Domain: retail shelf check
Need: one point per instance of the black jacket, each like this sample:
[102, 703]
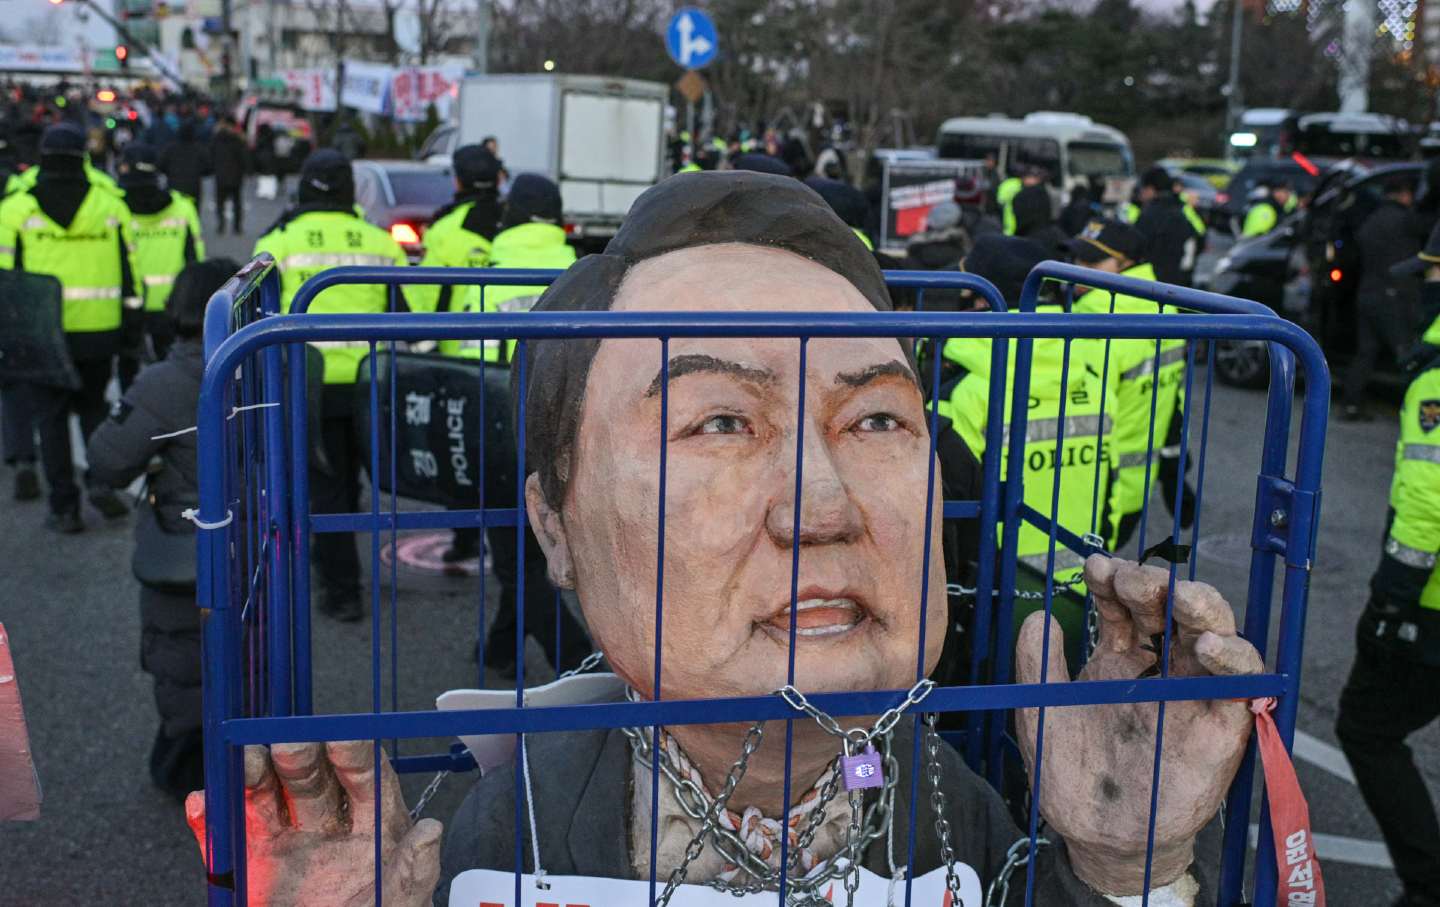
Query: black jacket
[161, 401]
[1386, 237]
[228, 157]
[1171, 243]
[581, 784]
[185, 164]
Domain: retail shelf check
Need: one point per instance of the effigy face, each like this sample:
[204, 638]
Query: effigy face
[731, 443]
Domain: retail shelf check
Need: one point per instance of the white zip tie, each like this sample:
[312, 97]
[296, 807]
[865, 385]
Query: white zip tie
[193, 515]
[233, 413]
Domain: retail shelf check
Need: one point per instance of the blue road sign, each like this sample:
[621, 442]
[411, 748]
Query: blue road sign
[691, 38]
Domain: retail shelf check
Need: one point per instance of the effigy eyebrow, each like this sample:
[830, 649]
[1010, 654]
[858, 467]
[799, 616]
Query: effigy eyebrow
[693, 363]
[894, 368]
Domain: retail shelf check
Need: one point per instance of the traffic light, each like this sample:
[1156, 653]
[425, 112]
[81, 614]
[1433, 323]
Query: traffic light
[122, 53]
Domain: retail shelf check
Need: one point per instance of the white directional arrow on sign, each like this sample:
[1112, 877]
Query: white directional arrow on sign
[691, 46]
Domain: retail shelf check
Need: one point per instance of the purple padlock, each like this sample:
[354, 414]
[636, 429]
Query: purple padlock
[863, 769]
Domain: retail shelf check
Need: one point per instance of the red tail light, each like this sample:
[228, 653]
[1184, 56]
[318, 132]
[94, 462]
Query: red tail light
[1336, 275]
[1222, 198]
[405, 234]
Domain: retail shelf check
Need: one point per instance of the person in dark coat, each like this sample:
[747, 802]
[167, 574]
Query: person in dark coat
[1170, 241]
[230, 160]
[185, 163]
[1385, 307]
[1035, 220]
[149, 424]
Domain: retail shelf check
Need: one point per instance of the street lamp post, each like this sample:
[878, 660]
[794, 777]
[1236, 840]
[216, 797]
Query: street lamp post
[1232, 88]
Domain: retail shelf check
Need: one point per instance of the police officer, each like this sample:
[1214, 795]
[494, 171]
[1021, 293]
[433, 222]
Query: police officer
[147, 426]
[1385, 316]
[73, 230]
[1172, 241]
[531, 236]
[1005, 193]
[1276, 200]
[166, 230]
[1391, 690]
[1081, 457]
[323, 231]
[460, 233]
[1135, 369]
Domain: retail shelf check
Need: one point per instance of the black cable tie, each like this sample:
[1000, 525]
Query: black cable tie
[1167, 551]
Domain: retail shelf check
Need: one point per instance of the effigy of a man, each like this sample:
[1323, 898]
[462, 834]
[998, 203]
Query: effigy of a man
[733, 242]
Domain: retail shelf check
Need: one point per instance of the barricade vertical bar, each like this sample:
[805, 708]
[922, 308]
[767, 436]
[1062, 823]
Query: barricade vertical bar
[1273, 456]
[1014, 498]
[934, 426]
[394, 533]
[278, 527]
[220, 646]
[484, 541]
[1200, 464]
[520, 355]
[659, 610]
[375, 700]
[300, 525]
[1049, 601]
[795, 530]
[977, 722]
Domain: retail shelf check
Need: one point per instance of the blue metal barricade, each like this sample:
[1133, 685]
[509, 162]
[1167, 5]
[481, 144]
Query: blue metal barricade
[256, 523]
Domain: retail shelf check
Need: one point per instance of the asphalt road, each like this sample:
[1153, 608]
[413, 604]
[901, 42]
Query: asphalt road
[69, 607]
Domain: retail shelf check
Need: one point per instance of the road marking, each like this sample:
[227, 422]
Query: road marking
[1340, 849]
[1322, 755]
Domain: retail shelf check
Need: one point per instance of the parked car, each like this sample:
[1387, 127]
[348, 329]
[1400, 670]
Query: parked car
[1304, 269]
[1216, 171]
[401, 197]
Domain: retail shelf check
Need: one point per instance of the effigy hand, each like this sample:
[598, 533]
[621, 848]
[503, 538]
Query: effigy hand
[1098, 760]
[310, 828]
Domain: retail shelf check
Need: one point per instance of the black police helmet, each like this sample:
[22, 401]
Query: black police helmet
[844, 199]
[194, 286]
[1005, 261]
[326, 177]
[63, 139]
[1158, 178]
[1103, 239]
[140, 163]
[533, 198]
[475, 167]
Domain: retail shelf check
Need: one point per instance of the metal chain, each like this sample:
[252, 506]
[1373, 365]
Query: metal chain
[1017, 856]
[939, 804]
[712, 815]
[886, 723]
[589, 663]
[1023, 594]
[426, 795]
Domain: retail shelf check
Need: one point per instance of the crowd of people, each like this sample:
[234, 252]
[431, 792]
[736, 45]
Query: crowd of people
[131, 279]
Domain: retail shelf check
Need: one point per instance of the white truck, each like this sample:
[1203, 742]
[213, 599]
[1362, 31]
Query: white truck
[602, 140]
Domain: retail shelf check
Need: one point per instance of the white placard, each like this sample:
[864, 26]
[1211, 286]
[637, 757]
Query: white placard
[489, 888]
[367, 86]
[494, 750]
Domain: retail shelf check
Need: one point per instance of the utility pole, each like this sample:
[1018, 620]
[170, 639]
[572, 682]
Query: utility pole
[1232, 88]
[1358, 41]
[481, 55]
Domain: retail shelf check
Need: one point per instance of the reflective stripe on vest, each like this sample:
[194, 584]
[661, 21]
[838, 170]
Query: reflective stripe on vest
[1075, 427]
[1427, 452]
[333, 260]
[7, 250]
[72, 294]
[1410, 557]
[1167, 357]
[159, 280]
[1137, 458]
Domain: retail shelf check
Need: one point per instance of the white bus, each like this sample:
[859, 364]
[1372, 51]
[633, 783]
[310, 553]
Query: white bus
[1074, 149]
